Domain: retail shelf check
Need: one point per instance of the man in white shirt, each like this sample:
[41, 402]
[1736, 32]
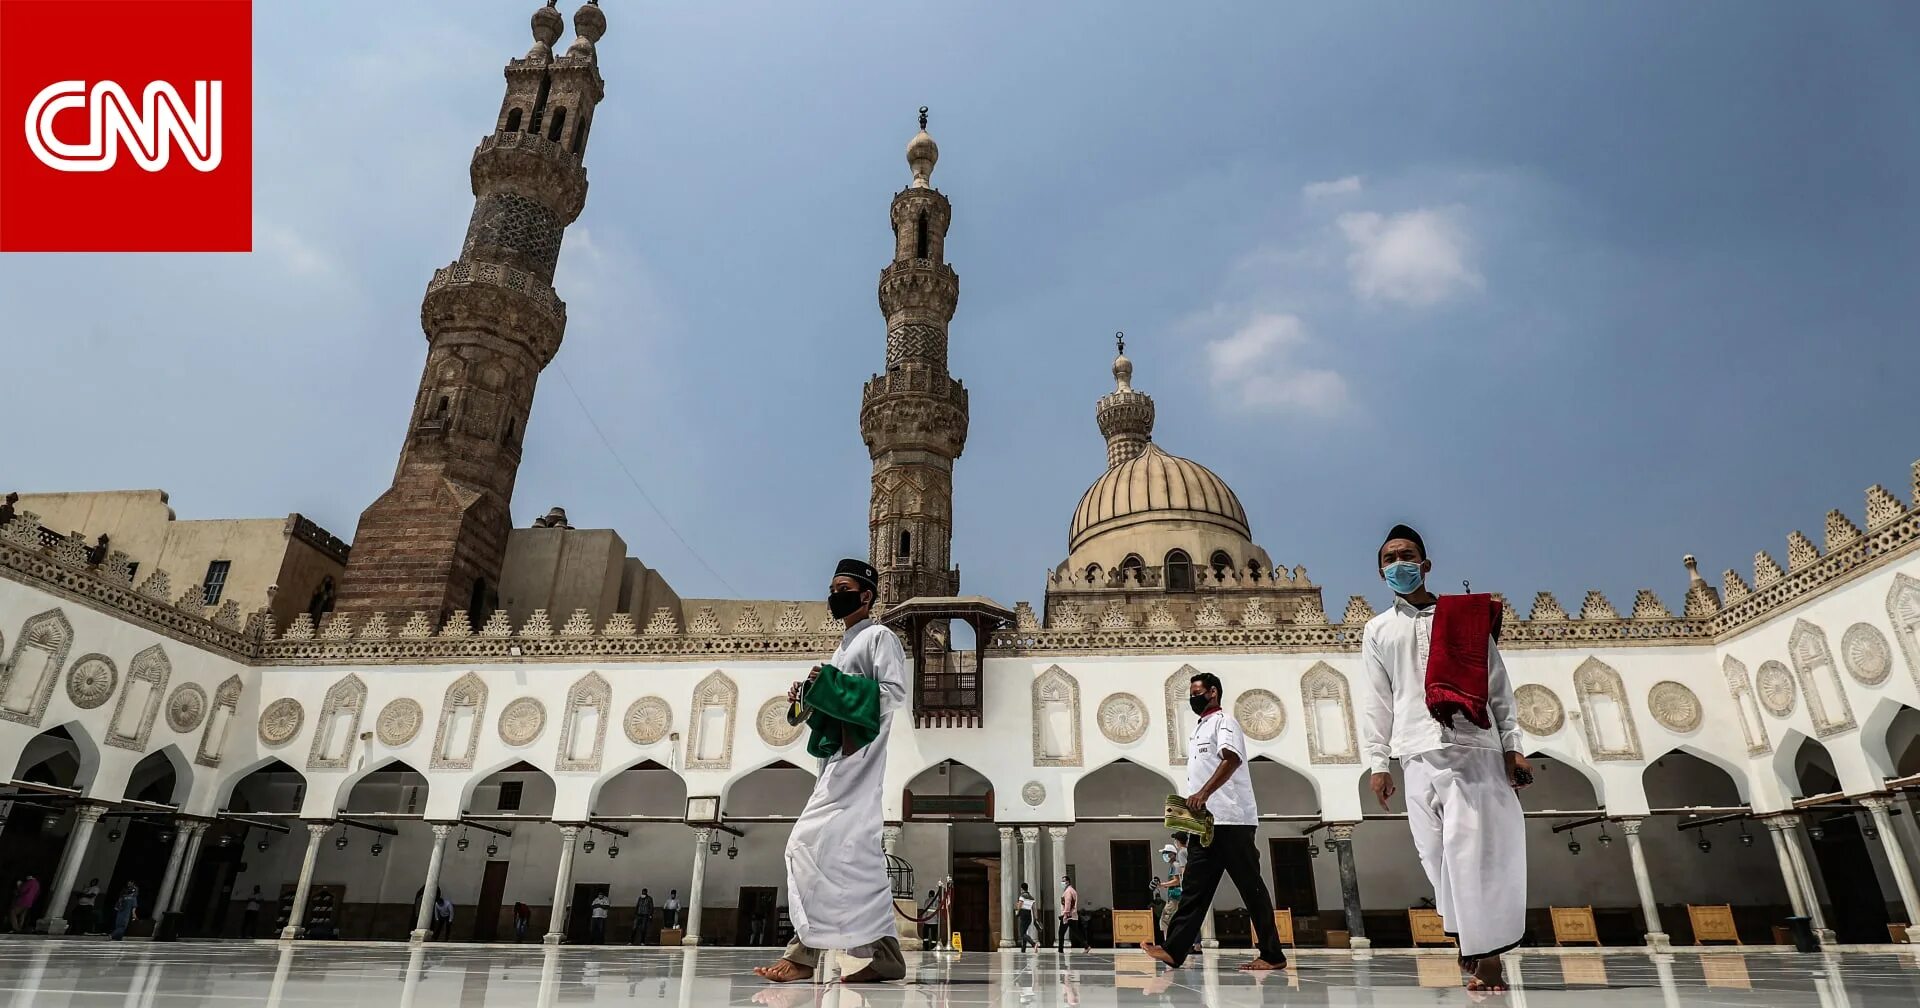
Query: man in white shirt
[1460, 778]
[601, 905]
[1218, 781]
[1023, 918]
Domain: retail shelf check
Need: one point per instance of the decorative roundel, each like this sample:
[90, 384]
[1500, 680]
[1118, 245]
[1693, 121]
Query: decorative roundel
[400, 721]
[522, 721]
[1775, 686]
[647, 720]
[280, 722]
[1540, 712]
[91, 681]
[1867, 656]
[1034, 793]
[1674, 706]
[186, 707]
[1260, 715]
[773, 726]
[1123, 718]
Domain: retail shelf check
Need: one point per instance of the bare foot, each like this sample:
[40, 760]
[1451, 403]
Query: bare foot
[1159, 954]
[1489, 976]
[783, 971]
[1261, 966]
[866, 975]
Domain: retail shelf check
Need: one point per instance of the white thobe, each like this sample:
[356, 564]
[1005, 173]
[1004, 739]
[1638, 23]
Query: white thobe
[1465, 818]
[838, 892]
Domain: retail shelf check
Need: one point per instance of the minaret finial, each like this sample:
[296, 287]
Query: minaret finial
[923, 117]
[922, 155]
[1120, 339]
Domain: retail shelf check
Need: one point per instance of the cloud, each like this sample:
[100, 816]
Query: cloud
[1418, 258]
[1255, 368]
[1330, 189]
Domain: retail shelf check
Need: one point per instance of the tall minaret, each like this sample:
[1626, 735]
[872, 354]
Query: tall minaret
[1125, 415]
[914, 417]
[435, 540]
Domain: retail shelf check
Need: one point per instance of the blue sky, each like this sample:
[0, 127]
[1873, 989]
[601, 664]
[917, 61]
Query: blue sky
[1576, 289]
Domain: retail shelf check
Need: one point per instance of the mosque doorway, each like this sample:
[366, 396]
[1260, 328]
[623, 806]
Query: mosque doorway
[971, 913]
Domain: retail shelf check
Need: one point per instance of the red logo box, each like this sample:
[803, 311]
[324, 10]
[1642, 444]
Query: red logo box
[126, 125]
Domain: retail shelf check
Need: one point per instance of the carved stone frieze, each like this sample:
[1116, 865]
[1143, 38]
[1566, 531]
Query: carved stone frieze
[1675, 706]
[647, 720]
[771, 722]
[400, 721]
[1261, 715]
[1123, 718]
[1538, 710]
[280, 722]
[91, 681]
[522, 720]
[186, 707]
[1778, 694]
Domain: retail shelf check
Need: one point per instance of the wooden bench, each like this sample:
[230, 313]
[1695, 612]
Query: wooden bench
[1574, 925]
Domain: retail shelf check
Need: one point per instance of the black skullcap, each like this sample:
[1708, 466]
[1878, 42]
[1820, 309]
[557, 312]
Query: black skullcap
[1404, 532]
[863, 572]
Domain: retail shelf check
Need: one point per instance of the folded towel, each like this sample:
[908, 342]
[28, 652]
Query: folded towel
[1457, 664]
[1181, 819]
[843, 706]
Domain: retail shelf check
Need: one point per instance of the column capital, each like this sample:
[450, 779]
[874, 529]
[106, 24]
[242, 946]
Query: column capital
[1030, 834]
[1057, 832]
[441, 830]
[90, 812]
[702, 834]
[1780, 821]
[1341, 832]
[1875, 803]
[1630, 825]
[1006, 833]
[316, 830]
[570, 832]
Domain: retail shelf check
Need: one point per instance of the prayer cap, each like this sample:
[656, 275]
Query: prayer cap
[1405, 532]
[861, 571]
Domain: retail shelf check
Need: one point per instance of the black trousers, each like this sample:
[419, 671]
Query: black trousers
[1074, 926]
[1022, 920]
[1233, 853]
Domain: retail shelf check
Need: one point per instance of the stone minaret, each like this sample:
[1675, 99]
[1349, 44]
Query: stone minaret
[914, 417]
[435, 540]
[1125, 416]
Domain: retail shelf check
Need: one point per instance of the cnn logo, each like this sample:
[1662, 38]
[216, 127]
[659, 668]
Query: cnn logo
[139, 141]
[149, 130]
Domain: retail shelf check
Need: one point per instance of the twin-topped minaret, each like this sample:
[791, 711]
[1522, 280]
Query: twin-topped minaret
[436, 539]
[914, 417]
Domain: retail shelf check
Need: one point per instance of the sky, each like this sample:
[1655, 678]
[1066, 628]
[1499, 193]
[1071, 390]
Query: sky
[1575, 289]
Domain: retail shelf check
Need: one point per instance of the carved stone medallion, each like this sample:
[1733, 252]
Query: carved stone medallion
[280, 722]
[1540, 712]
[1123, 718]
[1260, 715]
[186, 707]
[399, 722]
[1867, 656]
[1674, 706]
[91, 682]
[522, 721]
[647, 720]
[1775, 685]
[1034, 793]
[773, 726]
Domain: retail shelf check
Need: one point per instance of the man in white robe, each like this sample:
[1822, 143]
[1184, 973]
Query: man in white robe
[838, 891]
[1460, 778]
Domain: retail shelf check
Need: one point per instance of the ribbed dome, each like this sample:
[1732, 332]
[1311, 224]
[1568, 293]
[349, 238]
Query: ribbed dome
[1156, 486]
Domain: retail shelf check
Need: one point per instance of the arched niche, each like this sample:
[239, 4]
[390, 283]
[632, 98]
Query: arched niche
[644, 788]
[1180, 717]
[1819, 676]
[456, 734]
[63, 756]
[946, 791]
[583, 725]
[270, 785]
[220, 717]
[1684, 778]
[161, 777]
[1753, 727]
[1327, 704]
[339, 725]
[389, 786]
[140, 699]
[1282, 789]
[516, 788]
[778, 789]
[1123, 788]
[1605, 712]
[39, 652]
[1903, 612]
[1056, 719]
[1890, 736]
[1559, 784]
[710, 721]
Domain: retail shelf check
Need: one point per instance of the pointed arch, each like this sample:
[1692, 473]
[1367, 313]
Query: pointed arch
[220, 715]
[710, 722]
[70, 739]
[1605, 712]
[1887, 733]
[1753, 727]
[140, 699]
[265, 768]
[533, 801]
[1327, 703]
[583, 725]
[456, 735]
[411, 787]
[1537, 750]
[166, 765]
[1180, 718]
[647, 764]
[1122, 787]
[39, 653]
[339, 725]
[1056, 719]
[777, 788]
[1735, 773]
[1813, 664]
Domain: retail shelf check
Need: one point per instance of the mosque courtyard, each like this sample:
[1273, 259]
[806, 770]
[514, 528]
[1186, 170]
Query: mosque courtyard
[37, 973]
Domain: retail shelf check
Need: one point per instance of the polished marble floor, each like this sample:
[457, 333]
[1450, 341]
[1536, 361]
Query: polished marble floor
[95, 974]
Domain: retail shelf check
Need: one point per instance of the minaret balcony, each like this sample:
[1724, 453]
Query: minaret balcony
[534, 166]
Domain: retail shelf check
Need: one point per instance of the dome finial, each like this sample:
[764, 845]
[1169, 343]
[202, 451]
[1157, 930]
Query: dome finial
[922, 155]
[1122, 367]
[1120, 339]
[923, 118]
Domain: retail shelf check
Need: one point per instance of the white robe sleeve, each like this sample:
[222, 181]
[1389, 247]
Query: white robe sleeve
[1500, 700]
[1376, 707]
[889, 670]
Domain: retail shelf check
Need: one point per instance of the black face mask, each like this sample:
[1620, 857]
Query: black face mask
[843, 604]
[1200, 704]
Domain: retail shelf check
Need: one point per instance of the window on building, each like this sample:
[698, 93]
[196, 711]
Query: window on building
[1179, 571]
[1253, 569]
[1221, 563]
[510, 795]
[513, 121]
[906, 545]
[216, 582]
[1131, 567]
[920, 237]
[133, 569]
[322, 601]
[559, 123]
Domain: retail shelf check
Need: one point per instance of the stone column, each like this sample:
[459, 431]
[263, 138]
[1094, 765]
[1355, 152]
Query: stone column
[182, 835]
[562, 887]
[1058, 836]
[1791, 879]
[1030, 857]
[166, 912]
[296, 917]
[423, 917]
[697, 893]
[1009, 868]
[890, 838]
[86, 816]
[1877, 805]
[1649, 910]
[1790, 832]
[1340, 838]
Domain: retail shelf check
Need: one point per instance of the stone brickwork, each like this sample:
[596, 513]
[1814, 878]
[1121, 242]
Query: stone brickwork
[434, 542]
